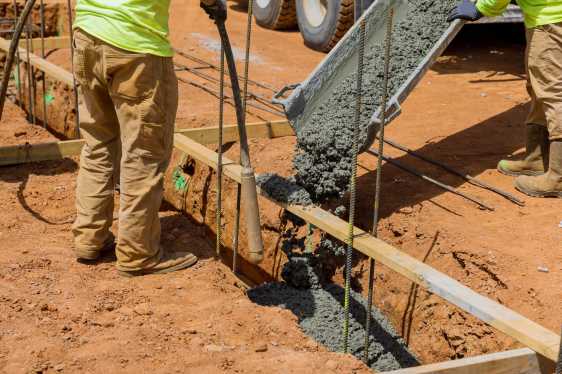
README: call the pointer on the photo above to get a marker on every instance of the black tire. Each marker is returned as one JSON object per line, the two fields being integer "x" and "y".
{"x": 275, "y": 14}
{"x": 322, "y": 33}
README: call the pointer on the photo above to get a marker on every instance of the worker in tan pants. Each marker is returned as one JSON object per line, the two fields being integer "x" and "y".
{"x": 128, "y": 100}
{"x": 539, "y": 172}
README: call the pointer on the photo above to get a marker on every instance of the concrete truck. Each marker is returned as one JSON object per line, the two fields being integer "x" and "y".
{"x": 322, "y": 23}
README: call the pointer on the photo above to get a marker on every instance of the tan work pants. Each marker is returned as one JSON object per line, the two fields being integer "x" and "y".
{"x": 544, "y": 77}
{"x": 129, "y": 101}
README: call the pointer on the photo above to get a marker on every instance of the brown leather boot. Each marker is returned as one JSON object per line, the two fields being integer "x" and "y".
{"x": 91, "y": 256}
{"x": 535, "y": 161}
{"x": 548, "y": 184}
{"x": 171, "y": 261}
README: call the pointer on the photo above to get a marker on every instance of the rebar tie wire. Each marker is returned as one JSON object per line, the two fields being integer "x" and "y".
{"x": 376, "y": 207}
{"x": 236, "y": 236}
{"x": 352, "y": 182}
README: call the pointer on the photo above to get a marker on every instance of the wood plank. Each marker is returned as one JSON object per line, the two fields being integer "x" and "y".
{"x": 19, "y": 154}
{"x": 505, "y": 320}
{"x": 518, "y": 361}
{"x": 13, "y": 155}
{"x": 55, "y": 42}
{"x": 267, "y": 130}
{"x": 52, "y": 70}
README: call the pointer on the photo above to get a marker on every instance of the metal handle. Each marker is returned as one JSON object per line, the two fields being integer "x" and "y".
{"x": 251, "y": 212}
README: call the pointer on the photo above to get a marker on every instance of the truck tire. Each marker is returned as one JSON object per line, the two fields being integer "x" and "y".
{"x": 275, "y": 14}
{"x": 324, "y": 22}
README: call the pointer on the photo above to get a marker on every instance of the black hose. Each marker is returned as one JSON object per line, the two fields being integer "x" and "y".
{"x": 14, "y": 45}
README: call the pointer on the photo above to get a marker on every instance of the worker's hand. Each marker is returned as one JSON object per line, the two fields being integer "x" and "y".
{"x": 465, "y": 10}
{"x": 216, "y": 9}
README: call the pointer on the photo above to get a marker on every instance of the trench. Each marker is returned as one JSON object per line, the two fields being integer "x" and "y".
{"x": 300, "y": 285}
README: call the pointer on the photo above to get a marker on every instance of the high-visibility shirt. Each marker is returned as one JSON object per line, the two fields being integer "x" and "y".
{"x": 134, "y": 25}
{"x": 535, "y": 12}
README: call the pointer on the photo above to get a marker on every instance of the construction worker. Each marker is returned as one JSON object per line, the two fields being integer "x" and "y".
{"x": 128, "y": 102}
{"x": 539, "y": 172}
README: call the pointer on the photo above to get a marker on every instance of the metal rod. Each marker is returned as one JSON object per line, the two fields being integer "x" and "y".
{"x": 378, "y": 186}
{"x": 219, "y": 162}
{"x": 18, "y": 61}
{"x": 30, "y": 84}
{"x": 215, "y": 67}
{"x": 43, "y": 76}
{"x": 353, "y": 184}
{"x": 212, "y": 79}
{"x": 228, "y": 99}
{"x": 431, "y": 180}
{"x": 466, "y": 177}
{"x": 74, "y": 85}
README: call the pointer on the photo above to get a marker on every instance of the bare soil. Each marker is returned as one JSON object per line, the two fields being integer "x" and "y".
{"x": 59, "y": 315}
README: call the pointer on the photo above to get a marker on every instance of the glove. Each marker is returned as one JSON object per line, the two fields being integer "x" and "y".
{"x": 216, "y": 9}
{"x": 465, "y": 10}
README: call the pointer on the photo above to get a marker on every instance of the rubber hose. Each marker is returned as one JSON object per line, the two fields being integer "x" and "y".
{"x": 14, "y": 45}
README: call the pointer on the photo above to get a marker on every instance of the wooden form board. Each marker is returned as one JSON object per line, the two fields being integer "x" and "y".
{"x": 52, "y": 70}
{"x": 268, "y": 130}
{"x": 20, "y": 154}
{"x": 13, "y": 155}
{"x": 55, "y": 42}
{"x": 505, "y": 320}
{"x": 518, "y": 361}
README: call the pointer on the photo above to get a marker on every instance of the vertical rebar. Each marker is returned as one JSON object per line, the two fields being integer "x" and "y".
{"x": 376, "y": 207}
{"x": 74, "y": 85}
{"x": 235, "y": 237}
{"x": 18, "y": 68}
{"x": 43, "y": 76}
{"x": 31, "y": 103}
{"x": 559, "y": 364}
{"x": 352, "y": 183}
{"x": 219, "y": 152}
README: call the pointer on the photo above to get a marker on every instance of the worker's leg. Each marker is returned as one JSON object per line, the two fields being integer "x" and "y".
{"x": 545, "y": 75}
{"x": 145, "y": 94}
{"x": 535, "y": 160}
{"x": 100, "y": 130}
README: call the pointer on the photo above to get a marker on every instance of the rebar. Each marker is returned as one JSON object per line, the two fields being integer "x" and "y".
{"x": 43, "y": 76}
{"x": 378, "y": 185}
{"x": 353, "y": 181}
{"x": 470, "y": 179}
{"x": 427, "y": 178}
{"x": 74, "y": 85}
{"x": 219, "y": 152}
{"x": 30, "y": 83}
{"x": 215, "y": 67}
{"x": 17, "y": 57}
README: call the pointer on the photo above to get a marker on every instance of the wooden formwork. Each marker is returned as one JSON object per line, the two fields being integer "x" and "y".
{"x": 543, "y": 344}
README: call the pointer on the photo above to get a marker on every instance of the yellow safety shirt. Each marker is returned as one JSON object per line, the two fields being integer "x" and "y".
{"x": 134, "y": 25}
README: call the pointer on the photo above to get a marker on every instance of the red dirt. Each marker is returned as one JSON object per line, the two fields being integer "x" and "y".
{"x": 58, "y": 315}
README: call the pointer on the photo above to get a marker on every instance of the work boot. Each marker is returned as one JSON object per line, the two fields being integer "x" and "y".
{"x": 548, "y": 184}
{"x": 535, "y": 161}
{"x": 170, "y": 261}
{"x": 86, "y": 256}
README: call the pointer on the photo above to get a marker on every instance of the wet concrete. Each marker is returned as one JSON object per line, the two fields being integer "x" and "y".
{"x": 320, "y": 313}
{"x": 284, "y": 190}
{"x": 324, "y": 143}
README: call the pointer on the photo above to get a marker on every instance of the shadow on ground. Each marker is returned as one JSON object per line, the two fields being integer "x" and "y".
{"x": 20, "y": 174}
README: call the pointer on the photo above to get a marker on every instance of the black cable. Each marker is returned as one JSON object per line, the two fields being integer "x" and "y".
{"x": 14, "y": 46}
